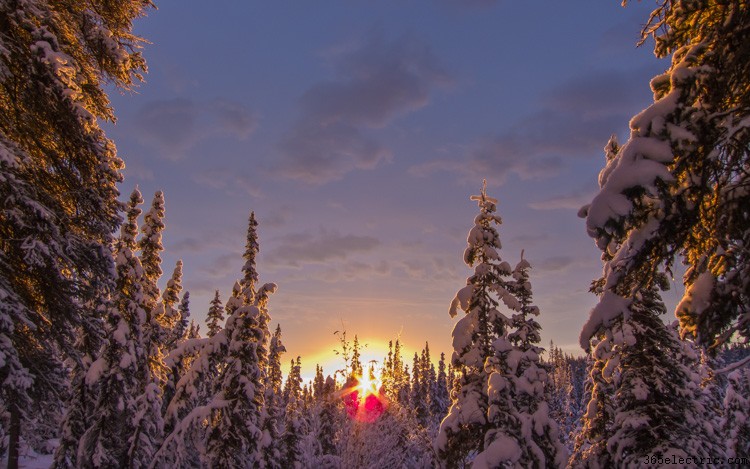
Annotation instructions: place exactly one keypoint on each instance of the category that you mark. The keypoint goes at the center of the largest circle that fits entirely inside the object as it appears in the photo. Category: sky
(357, 131)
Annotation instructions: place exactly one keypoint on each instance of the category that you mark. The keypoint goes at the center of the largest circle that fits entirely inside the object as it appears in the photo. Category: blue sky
(357, 132)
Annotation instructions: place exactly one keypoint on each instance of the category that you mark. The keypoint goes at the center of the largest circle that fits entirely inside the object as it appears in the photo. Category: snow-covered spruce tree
(118, 371)
(640, 370)
(249, 271)
(562, 405)
(170, 315)
(736, 422)
(181, 330)
(151, 248)
(440, 396)
(170, 312)
(522, 433)
(157, 329)
(58, 176)
(215, 317)
(234, 438)
(462, 432)
(677, 188)
(82, 396)
(636, 370)
(294, 421)
(273, 416)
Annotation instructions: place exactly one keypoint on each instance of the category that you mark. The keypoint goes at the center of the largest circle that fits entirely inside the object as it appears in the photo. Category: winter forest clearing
(105, 362)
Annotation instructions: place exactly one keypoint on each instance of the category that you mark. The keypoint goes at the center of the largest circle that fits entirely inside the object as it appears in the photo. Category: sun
(367, 385)
(364, 401)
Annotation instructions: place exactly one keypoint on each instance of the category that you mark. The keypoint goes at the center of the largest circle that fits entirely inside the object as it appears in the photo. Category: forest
(102, 368)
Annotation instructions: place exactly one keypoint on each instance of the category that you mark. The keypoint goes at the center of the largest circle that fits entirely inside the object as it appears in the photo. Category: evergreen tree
(194, 331)
(82, 396)
(522, 433)
(119, 369)
(181, 330)
(462, 432)
(440, 396)
(677, 187)
(640, 370)
(418, 392)
(274, 411)
(736, 423)
(215, 317)
(250, 274)
(156, 330)
(357, 369)
(294, 427)
(151, 248)
(170, 314)
(58, 182)
(234, 438)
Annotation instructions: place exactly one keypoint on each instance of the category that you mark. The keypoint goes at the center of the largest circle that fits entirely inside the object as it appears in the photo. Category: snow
(610, 307)
(32, 461)
(503, 450)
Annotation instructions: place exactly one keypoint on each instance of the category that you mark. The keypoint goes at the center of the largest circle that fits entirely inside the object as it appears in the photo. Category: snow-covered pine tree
(151, 248)
(249, 272)
(170, 316)
(215, 317)
(736, 423)
(633, 381)
(462, 432)
(330, 413)
(176, 328)
(294, 424)
(524, 435)
(157, 329)
(440, 395)
(117, 372)
(677, 187)
(418, 397)
(181, 330)
(58, 176)
(644, 369)
(274, 405)
(82, 396)
(561, 403)
(234, 438)
(194, 331)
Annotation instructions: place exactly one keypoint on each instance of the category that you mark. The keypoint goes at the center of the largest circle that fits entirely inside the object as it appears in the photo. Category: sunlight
(367, 385)
(364, 400)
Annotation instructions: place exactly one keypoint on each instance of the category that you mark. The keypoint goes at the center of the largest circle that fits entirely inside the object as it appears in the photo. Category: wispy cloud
(232, 181)
(377, 82)
(172, 127)
(572, 201)
(574, 120)
(294, 250)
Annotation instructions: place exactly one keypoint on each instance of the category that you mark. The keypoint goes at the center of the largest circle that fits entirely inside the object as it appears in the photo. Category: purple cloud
(575, 119)
(305, 248)
(173, 127)
(377, 82)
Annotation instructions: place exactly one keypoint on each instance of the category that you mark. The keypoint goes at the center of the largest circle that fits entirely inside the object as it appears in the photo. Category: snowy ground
(43, 461)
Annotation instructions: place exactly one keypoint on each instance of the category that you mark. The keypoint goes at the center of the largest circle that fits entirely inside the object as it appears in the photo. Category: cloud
(173, 127)
(572, 201)
(232, 181)
(574, 120)
(355, 271)
(305, 248)
(556, 263)
(377, 82)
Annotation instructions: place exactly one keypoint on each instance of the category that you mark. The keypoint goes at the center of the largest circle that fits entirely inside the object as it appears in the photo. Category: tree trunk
(14, 436)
